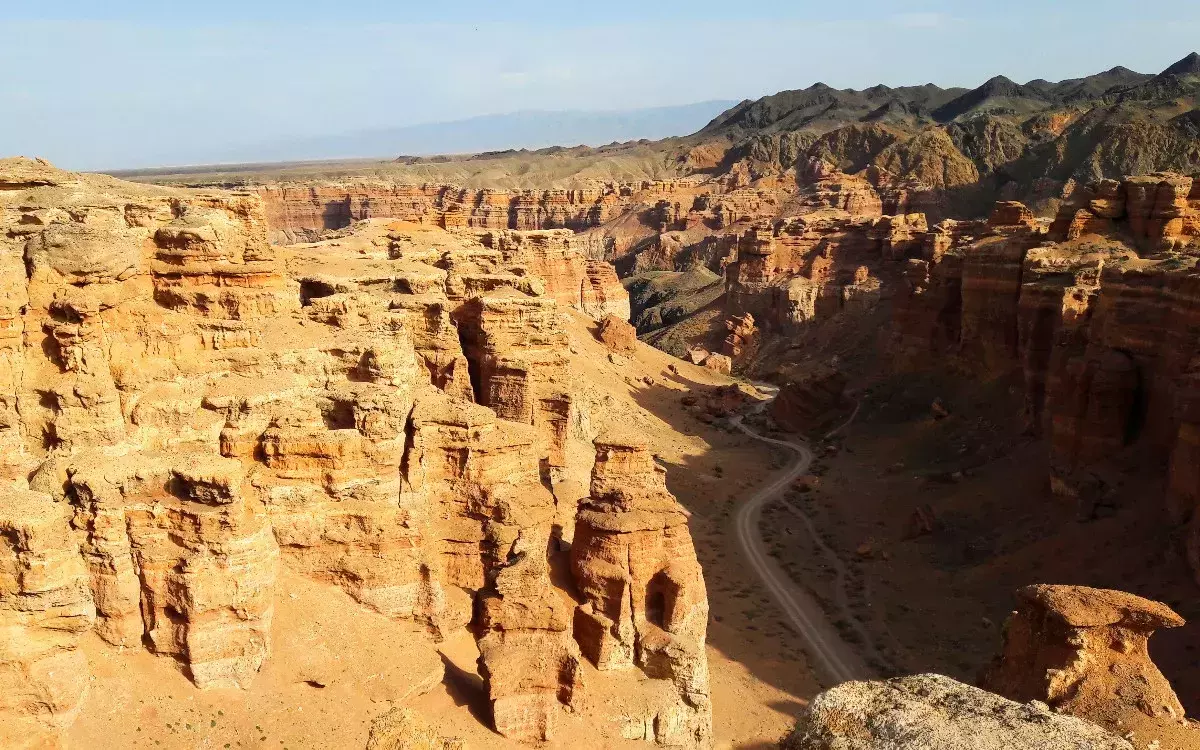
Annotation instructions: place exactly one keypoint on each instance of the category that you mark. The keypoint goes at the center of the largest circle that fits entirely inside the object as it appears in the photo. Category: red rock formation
(1102, 335)
(902, 235)
(742, 334)
(927, 310)
(303, 212)
(799, 271)
(808, 403)
(1057, 292)
(571, 279)
(1084, 652)
(1157, 210)
(617, 334)
(718, 363)
(643, 591)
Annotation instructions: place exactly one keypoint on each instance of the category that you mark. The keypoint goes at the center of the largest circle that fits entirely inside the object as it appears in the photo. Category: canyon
(193, 417)
(344, 441)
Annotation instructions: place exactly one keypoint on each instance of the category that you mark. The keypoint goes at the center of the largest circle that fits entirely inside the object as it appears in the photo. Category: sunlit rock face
(187, 408)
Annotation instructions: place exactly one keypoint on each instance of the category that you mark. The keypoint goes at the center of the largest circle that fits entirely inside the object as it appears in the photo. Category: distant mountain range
(952, 151)
(971, 145)
(530, 129)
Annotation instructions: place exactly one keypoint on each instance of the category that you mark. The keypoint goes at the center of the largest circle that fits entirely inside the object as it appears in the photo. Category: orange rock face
(1160, 211)
(186, 408)
(1096, 310)
(644, 598)
(803, 269)
(1084, 652)
(45, 605)
(298, 212)
(742, 335)
(570, 278)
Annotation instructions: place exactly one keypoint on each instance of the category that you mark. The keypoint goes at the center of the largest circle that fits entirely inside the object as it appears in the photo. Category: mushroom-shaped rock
(1084, 652)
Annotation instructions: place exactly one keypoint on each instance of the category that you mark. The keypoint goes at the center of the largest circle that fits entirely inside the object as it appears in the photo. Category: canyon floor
(926, 523)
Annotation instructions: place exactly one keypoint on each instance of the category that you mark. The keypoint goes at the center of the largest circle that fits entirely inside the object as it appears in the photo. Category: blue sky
(108, 84)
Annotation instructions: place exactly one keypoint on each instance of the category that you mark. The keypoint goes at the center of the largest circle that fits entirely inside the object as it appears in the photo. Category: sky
(110, 84)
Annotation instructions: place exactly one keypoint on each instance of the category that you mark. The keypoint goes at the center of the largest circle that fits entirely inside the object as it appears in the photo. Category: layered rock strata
(45, 604)
(188, 408)
(644, 598)
(303, 211)
(1094, 310)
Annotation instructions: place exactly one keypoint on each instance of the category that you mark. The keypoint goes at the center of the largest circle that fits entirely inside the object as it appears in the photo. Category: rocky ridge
(948, 153)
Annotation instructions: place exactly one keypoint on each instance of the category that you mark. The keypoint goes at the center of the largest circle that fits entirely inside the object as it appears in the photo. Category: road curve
(834, 660)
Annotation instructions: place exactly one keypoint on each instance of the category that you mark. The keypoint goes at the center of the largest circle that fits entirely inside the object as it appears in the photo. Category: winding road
(835, 660)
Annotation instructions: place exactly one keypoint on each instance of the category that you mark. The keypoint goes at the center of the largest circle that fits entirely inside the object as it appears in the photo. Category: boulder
(933, 712)
(617, 334)
(718, 363)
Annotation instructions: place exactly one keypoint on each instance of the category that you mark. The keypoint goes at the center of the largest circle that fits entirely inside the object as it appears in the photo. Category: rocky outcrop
(570, 278)
(742, 335)
(180, 556)
(479, 479)
(936, 712)
(304, 211)
(1094, 312)
(616, 334)
(404, 729)
(644, 601)
(810, 401)
(1084, 652)
(807, 268)
(991, 288)
(1158, 211)
(45, 604)
(187, 408)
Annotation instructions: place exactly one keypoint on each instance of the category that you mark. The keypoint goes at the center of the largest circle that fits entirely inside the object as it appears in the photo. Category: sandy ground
(936, 600)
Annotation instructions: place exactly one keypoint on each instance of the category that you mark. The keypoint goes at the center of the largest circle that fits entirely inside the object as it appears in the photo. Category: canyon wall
(188, 408)
(1097, 309)
(296, 212)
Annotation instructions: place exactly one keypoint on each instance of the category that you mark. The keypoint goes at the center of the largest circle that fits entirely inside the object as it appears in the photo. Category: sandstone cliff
(1092, 310)
(188, 408)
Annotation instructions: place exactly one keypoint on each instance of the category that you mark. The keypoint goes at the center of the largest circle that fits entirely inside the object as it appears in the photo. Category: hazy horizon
(527, 129)
(141, 84)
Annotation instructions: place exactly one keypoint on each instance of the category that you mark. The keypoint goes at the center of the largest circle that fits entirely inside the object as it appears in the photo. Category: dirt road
(832, 658)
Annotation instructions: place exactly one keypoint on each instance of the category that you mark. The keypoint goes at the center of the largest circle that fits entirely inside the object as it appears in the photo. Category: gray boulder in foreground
(933, 712)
